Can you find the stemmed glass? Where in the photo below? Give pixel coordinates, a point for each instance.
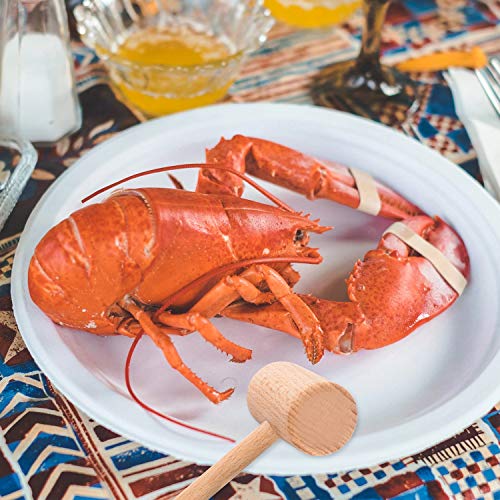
(365, 86)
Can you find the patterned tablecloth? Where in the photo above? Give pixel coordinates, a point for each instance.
(49, 449)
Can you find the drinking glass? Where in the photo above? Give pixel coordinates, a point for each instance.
(312, 13)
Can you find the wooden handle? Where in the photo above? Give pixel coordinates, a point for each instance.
(243, 454)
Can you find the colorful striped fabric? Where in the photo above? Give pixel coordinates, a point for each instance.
(50, 450)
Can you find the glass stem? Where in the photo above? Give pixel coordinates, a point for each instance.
(375, 12)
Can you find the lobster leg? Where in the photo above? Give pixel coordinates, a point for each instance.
(293, 170)
(304, 318)
(194, 321)
(171, 355)
(130, 327)
(249, 292)
(231, 288)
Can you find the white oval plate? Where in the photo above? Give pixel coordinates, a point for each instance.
(410, 395)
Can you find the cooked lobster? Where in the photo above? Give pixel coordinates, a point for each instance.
(164, 261)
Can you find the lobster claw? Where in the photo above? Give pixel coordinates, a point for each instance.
(392, 291)
(293, 170)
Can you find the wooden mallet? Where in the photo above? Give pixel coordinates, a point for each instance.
(313, 414)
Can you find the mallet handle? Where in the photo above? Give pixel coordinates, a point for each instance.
(243, 454)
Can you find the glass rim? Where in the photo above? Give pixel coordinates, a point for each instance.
(262, 16)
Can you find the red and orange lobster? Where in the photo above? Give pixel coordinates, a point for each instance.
(165, 261)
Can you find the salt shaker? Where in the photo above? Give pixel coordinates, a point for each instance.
(38, 100)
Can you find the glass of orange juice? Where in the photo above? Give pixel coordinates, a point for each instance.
(168, 56)
(312, 13)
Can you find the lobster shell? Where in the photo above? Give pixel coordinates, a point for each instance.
(147, 244)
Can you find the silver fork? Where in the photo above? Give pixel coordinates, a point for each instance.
(489, 78)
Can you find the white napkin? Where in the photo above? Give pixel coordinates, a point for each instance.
(481, 121)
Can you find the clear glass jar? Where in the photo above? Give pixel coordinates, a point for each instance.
(38, 98)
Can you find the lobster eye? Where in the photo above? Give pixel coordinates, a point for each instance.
(299, 236)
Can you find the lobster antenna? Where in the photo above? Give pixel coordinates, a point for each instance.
(186, 166)
(152, 410)
(231, 267)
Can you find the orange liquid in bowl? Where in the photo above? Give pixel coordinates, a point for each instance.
(167, 72)
(312, 13)
(180, 46)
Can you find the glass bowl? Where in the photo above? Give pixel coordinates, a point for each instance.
(158, 89)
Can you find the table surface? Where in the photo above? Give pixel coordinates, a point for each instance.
(49, 449)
